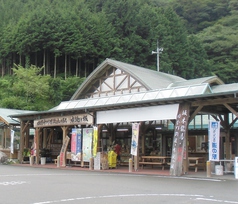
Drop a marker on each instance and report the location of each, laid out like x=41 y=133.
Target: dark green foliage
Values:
x=69 y=86
x=71 y=37
x=29 y=90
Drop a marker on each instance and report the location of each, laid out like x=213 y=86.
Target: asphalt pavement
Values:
x=201 y=174
x=49 y=184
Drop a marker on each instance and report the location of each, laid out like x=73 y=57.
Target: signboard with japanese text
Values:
x=214 y=140
x=80 y=119
x=179 y=141
x=76 y=144
x=134 y=139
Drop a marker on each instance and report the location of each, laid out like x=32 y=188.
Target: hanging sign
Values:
x=95 y=141
x=76 y=144
x=80 y=119
x=134 y=139
x=214 y=140
x=87 y=144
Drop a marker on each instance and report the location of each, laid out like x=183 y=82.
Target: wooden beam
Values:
x=25 y=126
x=231 y=109
x=214 y=101
x=215 y=117
x=232 y=123
x=195 y=113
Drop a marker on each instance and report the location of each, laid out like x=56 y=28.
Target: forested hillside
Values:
x=69 y=38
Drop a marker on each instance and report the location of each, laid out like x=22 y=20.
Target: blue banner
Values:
x=214 y=140
x=76 y=144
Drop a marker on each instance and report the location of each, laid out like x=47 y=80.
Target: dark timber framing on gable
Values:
x=114 y=81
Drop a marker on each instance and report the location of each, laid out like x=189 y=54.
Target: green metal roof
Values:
x=162 y=88
x=168 y=93
x=211 y=80
x=4 y=115
x=150 y=79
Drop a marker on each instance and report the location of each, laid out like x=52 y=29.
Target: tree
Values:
x=31 y=88
x=201 y=14
x=198 y=63
x=221 y=44
x=175 y=44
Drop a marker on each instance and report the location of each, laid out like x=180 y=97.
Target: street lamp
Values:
x=159 y=50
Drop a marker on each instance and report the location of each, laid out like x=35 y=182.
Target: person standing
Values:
x=117 y=150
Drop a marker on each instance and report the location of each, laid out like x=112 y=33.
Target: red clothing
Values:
x=117 y=149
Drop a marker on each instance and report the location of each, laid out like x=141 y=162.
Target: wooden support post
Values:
x=27 y=130
x=37 y=138
x=100 y=144
x=179 y=141
x=44 y=138
x=22 y=137
x=185 y=159
x=64 y=147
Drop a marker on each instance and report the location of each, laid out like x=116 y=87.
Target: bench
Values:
x=152 y=164
x=196 y=162
x=153 y=160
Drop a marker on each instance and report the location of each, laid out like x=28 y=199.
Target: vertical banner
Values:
x=95 y=141
x=214 y=140
x=134 y=139
x=76 y=144
x=63 y=151
x=179 y=140
x=12 y=141
x=87 y=144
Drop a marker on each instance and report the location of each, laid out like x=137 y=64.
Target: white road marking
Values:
x=218 y=201
x=12 y=183
x=195 y=197
x=129 y=175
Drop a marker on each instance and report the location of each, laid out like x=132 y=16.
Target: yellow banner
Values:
x=95 y=141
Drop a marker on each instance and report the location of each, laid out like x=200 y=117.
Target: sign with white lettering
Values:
x=214 y=140
x=80 y=119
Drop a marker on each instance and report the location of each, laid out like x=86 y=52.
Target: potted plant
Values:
x=26 y=154
x=44 y=153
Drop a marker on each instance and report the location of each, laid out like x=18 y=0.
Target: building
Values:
x=10 y=128
x=116 y=94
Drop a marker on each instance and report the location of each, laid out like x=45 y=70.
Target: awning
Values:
x=163 y=112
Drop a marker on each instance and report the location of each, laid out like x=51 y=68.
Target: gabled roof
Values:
x=225 y=88
x=4 y=116
x=149 y=78
x=210 y=80
x=162 y=89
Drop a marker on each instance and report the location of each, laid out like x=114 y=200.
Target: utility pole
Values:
x=158 y=50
